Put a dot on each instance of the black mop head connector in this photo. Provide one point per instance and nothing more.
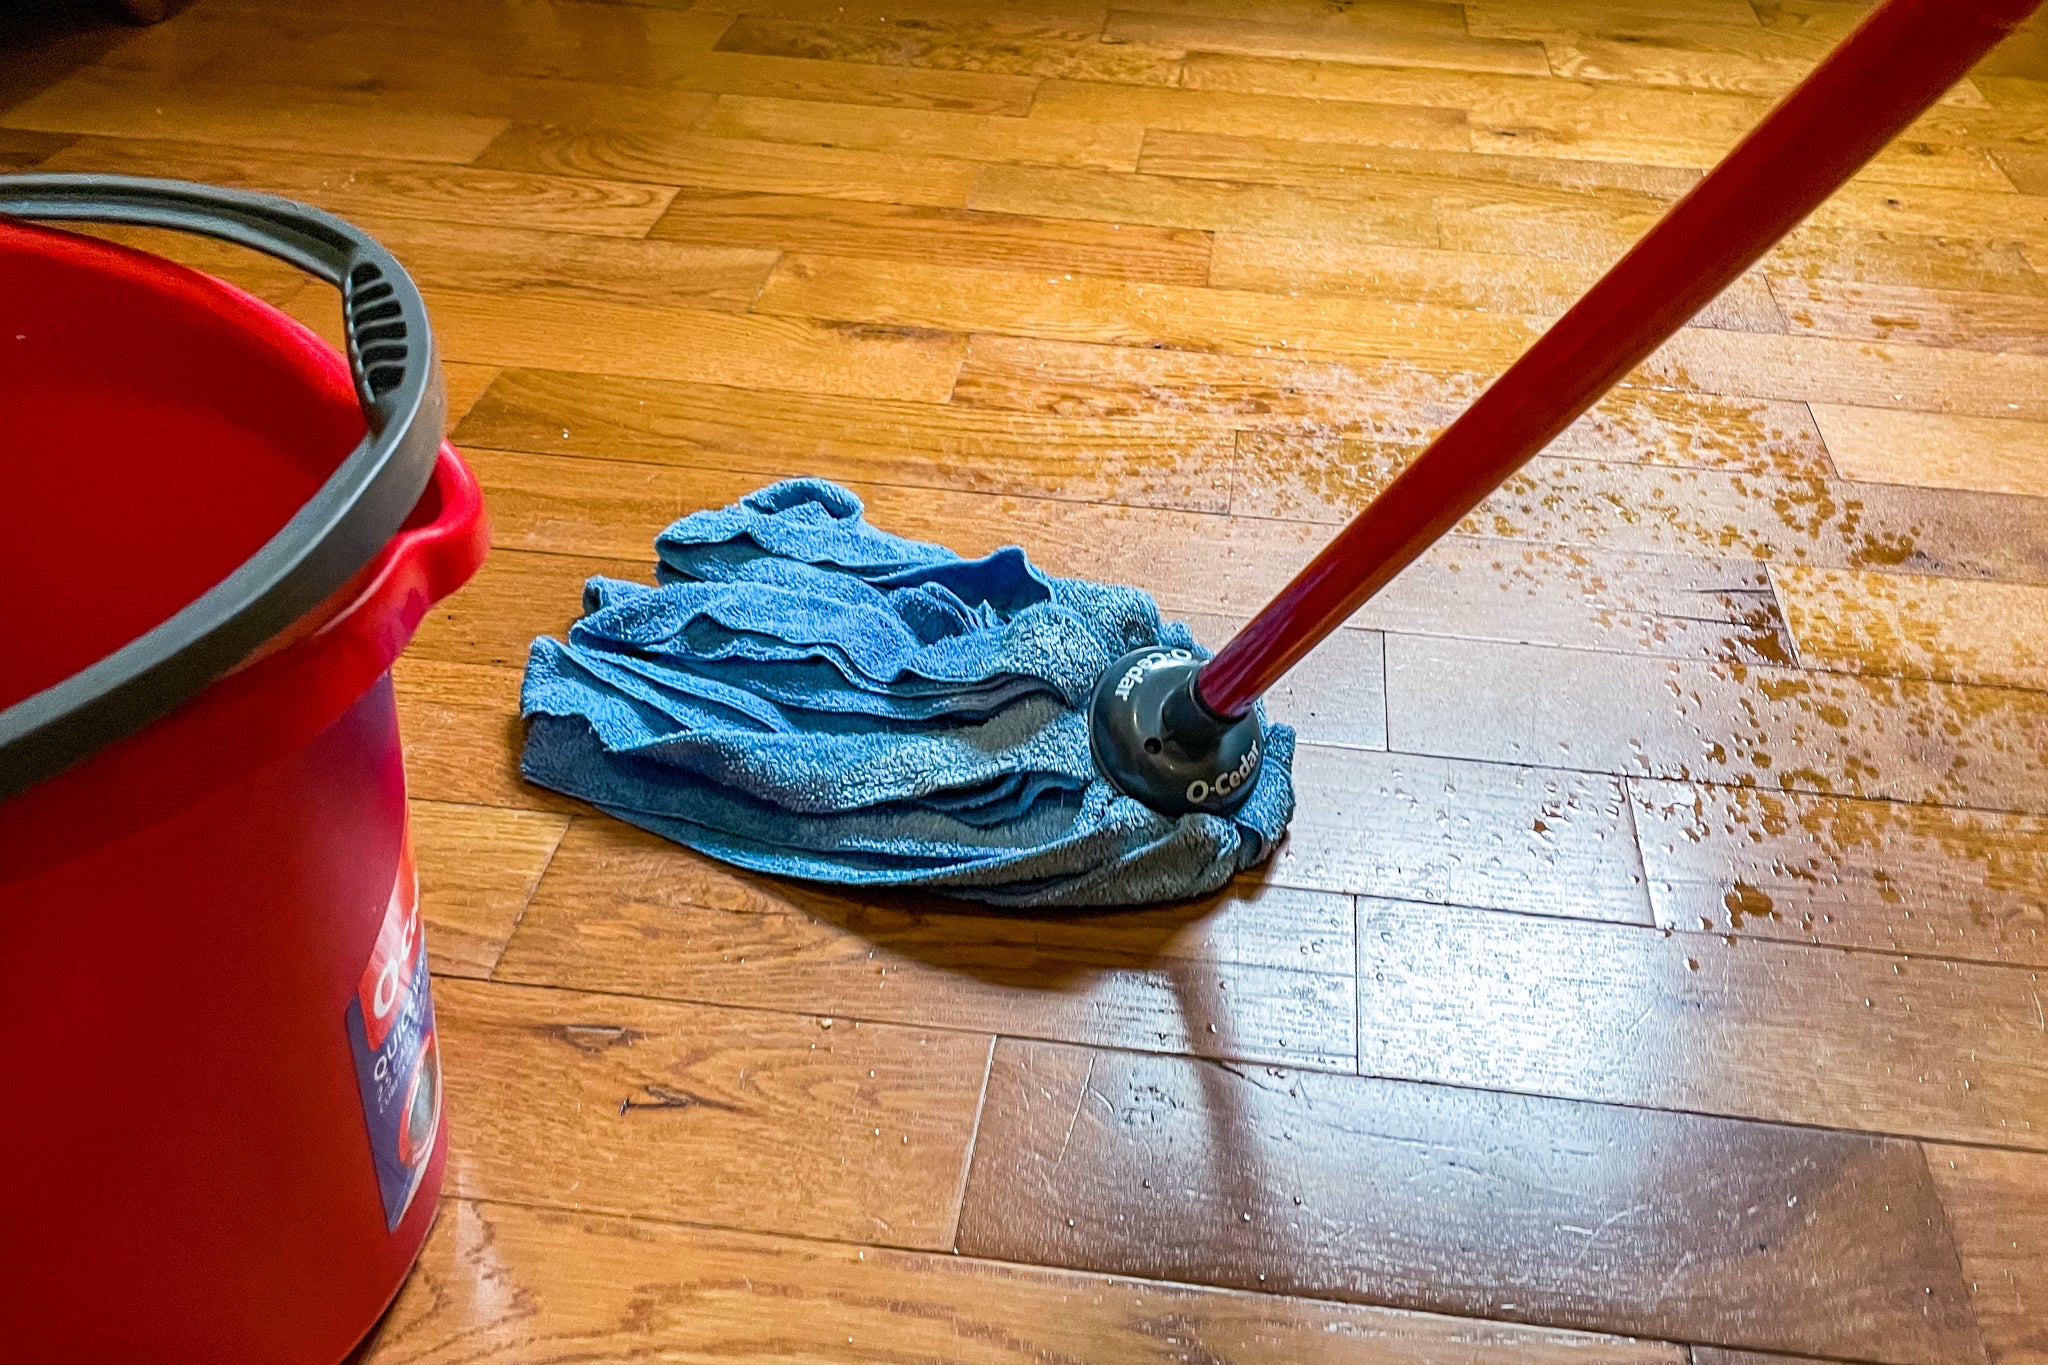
(1156, 740)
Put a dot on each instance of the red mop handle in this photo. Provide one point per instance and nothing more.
(1896, 64)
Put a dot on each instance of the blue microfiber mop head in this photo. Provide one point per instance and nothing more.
(809, 696)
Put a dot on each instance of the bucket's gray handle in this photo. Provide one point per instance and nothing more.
(382, 313)
(339, 530)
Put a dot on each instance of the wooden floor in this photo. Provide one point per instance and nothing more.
(1654, 968)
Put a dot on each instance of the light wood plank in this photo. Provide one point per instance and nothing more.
(1159, 462)
(499, 1284)
(466, 384)
(1646, 508)
(1924, 880)
(1387, 400)
(1974, 320)
(1260, 974)
(462, 733)
(1133, 314)
(1994, 1203)
(1210, 111)
(699, 1114)
(1915, 626)
(107, 104)
(478, 865)
(395, 189)
(926, 132)
(1630, 1015)
(1871, 374)
(1827, 733)
(963, 40)
(1418, 828)
(1934, 450)
(1672, 1225)
(909, 232)
(695, 345)
(1341, 36)
(708, 163)
(1162, 201)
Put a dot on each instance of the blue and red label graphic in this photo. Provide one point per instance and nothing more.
(391, 1031)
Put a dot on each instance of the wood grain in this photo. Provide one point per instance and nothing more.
(1994, 1202)
(615, 1104)
(477, 865)
(910, 232)
(1418, 1196)
(1340, 36)
(396, 189)
(503, 1284)
(961, 40)
(1932, 450)
(1914, 626)
(1154, 462)
(1260, 974)
(1832, 734)
(1884, 875)
(976, 137)
(1210, 111)
(460, 724)
(1623, 1014)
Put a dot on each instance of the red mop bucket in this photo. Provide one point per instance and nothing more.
(221, 1131)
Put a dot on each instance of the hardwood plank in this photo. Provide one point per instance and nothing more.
(1937, 211)
(1935, 450)
(1915, 626)
(1974, 320)
(1816, 252)
(1829, 733)
(1644, 508)
(926, 132)
(514, 597)
(1211, 111)
(466, 384)
(1995, 1206)
(462, 733)
(514, 263)
(1596, 14)
(478, 866)
(2028, 170)
(1163, 463)
(1536, 839)
(1929, 880)
(1416, 1196)
(966, 92)
(498, 1283)
(961, 237)
(695, 345)
(1337, 695)
(962, 41)
(1622, 1014)
(1256, 973)
(692, 1113)
(390, 189)
(1344, 167)
(19, 151)
(1162, 201)
(1341, 36)
(1389, 400)
(1715, 1355)
(1590, 119)
(1133, 314)
(108, 104)
(707, 163)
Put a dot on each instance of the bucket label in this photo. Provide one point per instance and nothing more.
(391, 1031)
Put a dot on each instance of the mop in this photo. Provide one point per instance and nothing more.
(805, 694)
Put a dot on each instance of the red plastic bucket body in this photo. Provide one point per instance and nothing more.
(208, 930)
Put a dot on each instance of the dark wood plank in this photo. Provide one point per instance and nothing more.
(1623, 1014)
(691, 1113)
(500, 1284)
(1863, 874)
(1899, 739)
(1257, 973)
(1535, 1210)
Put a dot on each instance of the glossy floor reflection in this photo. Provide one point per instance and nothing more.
(1651, 976)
